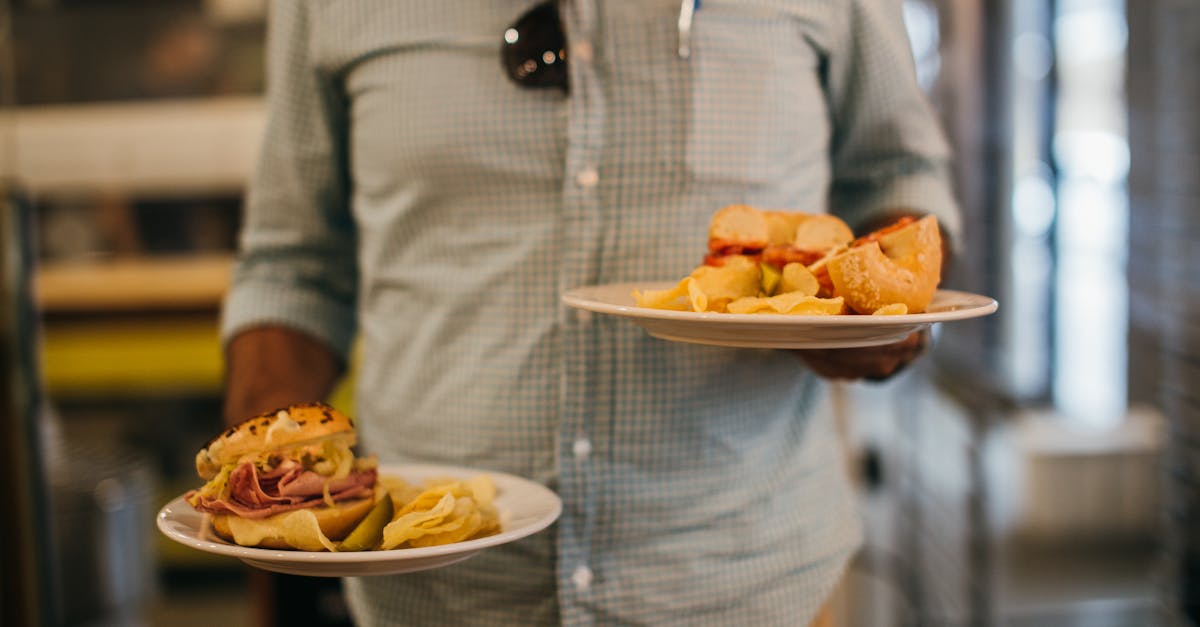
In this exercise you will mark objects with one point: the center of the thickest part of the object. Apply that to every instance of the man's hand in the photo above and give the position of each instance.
(274, 366)
(873, 363)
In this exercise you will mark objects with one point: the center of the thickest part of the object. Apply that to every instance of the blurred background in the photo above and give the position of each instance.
(1040, 470)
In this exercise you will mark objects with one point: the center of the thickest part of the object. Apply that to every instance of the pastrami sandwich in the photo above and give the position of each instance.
(297, 459)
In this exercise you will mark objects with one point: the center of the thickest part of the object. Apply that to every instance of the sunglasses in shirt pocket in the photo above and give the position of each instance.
(757, 111)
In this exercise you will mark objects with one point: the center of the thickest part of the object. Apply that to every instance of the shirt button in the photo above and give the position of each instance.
(582, 578)
(583, 51)
(582, 448)
(587, 177)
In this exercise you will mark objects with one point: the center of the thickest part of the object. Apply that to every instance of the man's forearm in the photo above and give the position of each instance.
(274, 366)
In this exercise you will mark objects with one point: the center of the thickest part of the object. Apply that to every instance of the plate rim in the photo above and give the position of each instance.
(577, 298)
(328, 559)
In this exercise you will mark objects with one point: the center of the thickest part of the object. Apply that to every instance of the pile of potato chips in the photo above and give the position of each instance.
(440, 511)
(742, 285)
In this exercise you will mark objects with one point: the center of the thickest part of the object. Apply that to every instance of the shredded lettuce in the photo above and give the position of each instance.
(328, 498)
(331, 458)
(216, 487)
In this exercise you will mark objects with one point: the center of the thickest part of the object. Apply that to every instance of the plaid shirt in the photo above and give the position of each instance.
(413, 197)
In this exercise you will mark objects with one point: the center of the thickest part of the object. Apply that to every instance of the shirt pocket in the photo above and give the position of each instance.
(757, 108)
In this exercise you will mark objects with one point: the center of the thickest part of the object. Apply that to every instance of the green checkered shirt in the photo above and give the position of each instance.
(412, 197)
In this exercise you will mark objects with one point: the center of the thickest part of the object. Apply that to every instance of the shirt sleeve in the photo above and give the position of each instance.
(296, 264)
(888, 150)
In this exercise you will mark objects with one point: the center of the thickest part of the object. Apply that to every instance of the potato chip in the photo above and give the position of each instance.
(673, 298)
(471, 525)
(400, 491)
(482, 488)
(461, 524)
(414, 523)
(797, 304)
(696, 295)
(447, 510)
(491, 526)
(894, 309)
(750, 304)
(714, 287)
(298, 528)
(431, 497)
(791, 303)
(797, 278)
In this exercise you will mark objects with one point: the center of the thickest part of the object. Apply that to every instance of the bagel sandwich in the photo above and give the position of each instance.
(898, 264)
(285, 479)
(765, 261)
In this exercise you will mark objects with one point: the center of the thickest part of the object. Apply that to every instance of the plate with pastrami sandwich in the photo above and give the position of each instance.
(286, 492)
(787, 279)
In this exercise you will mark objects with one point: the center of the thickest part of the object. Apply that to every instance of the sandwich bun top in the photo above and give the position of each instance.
(821, 232)
(739, 224)
(782, 225)
(753, 228)
(287, 427)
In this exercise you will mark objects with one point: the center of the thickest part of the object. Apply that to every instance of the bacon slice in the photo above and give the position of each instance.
(778, 255)
(781, 255)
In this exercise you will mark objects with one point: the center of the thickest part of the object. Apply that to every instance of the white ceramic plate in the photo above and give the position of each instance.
(525, 508)
(773, 330)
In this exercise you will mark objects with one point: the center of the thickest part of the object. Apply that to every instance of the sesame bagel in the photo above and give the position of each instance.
(291, 426)
(902, 266)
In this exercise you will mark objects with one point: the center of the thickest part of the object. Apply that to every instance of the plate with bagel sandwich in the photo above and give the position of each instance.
(792, 280)
(285, 492)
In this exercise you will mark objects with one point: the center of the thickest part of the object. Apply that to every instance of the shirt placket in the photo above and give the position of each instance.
(581, 237)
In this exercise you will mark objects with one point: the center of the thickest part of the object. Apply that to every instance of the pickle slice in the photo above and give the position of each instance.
(769, 281)
(369, 532)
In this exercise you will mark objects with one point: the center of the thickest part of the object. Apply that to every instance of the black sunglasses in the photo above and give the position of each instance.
(534, 51)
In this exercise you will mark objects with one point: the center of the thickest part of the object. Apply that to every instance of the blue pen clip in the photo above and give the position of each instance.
(687, 10)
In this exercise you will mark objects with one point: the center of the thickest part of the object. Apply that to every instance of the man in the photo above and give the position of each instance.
(415, 194)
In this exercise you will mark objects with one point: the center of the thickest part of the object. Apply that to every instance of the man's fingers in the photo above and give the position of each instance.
(877, 363)
(884, 376)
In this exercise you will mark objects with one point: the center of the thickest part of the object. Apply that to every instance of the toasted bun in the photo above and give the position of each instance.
(739, 224)
(821, 232)
(807, 231)
(286, 427)
(904, 266)
(335, 522)
(782, 225)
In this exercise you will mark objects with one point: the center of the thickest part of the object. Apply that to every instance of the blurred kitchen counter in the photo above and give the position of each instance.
(132, 327)
(138, 328)
(154, 284)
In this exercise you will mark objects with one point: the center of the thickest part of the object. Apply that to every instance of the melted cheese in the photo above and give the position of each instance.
(299, 529)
